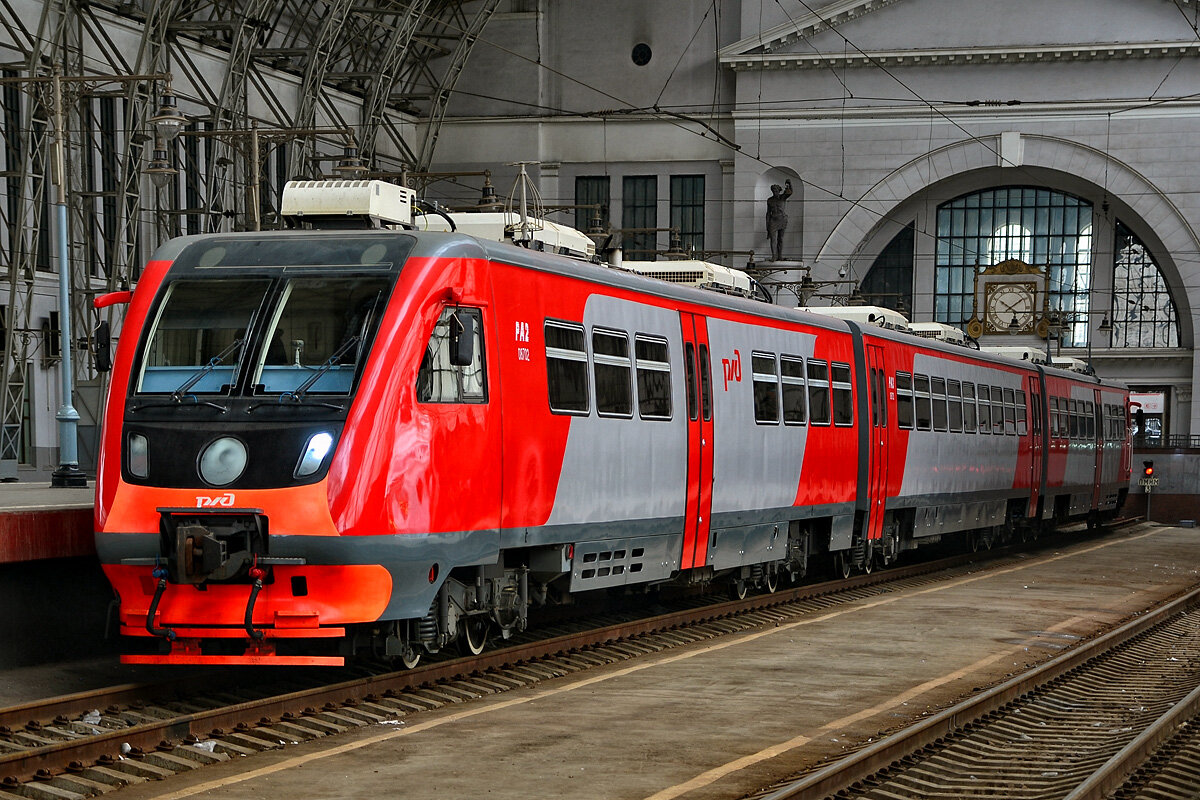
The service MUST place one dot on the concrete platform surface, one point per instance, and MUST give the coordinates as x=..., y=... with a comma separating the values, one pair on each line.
x=723, y=718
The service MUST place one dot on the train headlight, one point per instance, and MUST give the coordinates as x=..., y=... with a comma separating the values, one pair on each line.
x=139, y=459
x=314, y=454
x=222, y=461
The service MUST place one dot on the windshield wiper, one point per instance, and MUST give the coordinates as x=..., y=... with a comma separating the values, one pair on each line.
x=178, y=395
x=296, y=396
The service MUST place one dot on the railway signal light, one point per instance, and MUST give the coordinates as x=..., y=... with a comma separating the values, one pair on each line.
x=1148, y=469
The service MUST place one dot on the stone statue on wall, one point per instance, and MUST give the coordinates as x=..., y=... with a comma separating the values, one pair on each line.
x=777, y=219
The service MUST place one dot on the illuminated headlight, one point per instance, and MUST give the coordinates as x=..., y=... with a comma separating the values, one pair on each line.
x=314, y=454
x=139, y=460
x=222, y=461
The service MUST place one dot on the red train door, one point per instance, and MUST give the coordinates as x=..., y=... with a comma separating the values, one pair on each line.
x=1036, y=462
x=877, y=434
x=1098, y=443
x=698, y=376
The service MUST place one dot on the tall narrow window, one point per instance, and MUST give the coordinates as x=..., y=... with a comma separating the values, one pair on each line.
x=904, y=401
x=889, y=283
x=653, y=377
x=687, y=210
x=639, y=211
x=791, y=370
x=591, y=201
x=612, y=371
x=843, y=397
x=1143, y=314
x=818, y=392
x=566, y=368
x=924, y=403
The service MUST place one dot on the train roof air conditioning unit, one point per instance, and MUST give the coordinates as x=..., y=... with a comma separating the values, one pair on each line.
x=701, y=274
x=346, y=204
x=1018, y=353
x=864, y=315
x=938, y=330
x=503, y=226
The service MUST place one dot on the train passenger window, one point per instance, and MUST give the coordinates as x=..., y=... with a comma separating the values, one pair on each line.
x=1010, y=413
x=954, y=405
x=938, y=395
x=439, y=380
x=924, y=406
x=1022, y=428
x=1073, y=418
x=904, y=401
x=795, y=402
x=689, y=373
x=611, y=369
x=843, y=396
x=1064, y=430
x=985, y=409
x=1053, y=415
x=653, y=377
x=969, y=421
x=998, y=410
x=705, y=384
x=1089, y=417
x=566, y=368
x=818, y=392
x=766, y=388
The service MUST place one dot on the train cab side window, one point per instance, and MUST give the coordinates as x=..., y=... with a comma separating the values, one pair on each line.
x=1010, y=413
x=566, y=368
x=938, y=395
x=611, y=369
x=954, y=404
x=843, y=396
x=766, y=388
x=985, y=409
x=969, y=420
x=924, y=404
x=998, y=410
x=439, y=380
x=653, y=377
x=904, y=401
x=795, y=402
x=1022, y=427
x=818, y=392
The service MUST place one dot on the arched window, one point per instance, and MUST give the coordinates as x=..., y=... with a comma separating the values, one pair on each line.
x=1036, y=225
x=889, y=281
x=1143, y=314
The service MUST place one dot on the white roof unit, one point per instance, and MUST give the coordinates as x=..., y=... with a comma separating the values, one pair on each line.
x=702, y=274
x=339, y=203
x=938, y=330
x=863, y=315
x=1071, y=364
x=1018, y=353
x=499, y=226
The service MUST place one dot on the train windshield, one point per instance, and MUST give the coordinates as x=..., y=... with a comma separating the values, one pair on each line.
x=319, y=334
x=200, y=335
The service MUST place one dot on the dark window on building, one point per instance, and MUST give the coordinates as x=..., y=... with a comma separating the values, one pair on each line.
x=612, y=369
x=890, y=279
x=795, y=402
x=566, y=368
x=653, y=377
x=687, y=210
x=766, y=388
x=639, y=209
x=591, y=191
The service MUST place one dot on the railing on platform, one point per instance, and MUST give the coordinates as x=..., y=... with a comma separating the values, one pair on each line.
x=1173, y=442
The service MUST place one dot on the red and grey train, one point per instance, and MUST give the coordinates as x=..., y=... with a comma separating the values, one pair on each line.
x=323, y=443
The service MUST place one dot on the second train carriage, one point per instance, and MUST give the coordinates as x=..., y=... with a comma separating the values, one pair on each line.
x=317, y=443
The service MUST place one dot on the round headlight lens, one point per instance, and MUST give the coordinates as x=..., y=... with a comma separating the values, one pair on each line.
x=314, y=454
x=222, y=461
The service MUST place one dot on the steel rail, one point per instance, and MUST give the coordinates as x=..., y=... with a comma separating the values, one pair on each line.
x=858, y=766
x=48, y=759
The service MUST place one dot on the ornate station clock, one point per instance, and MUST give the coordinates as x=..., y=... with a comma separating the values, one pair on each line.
x=1010, y=298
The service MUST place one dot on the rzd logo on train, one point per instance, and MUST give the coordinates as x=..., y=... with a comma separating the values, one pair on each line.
x=220, y=501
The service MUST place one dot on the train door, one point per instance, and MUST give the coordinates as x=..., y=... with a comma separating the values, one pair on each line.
x=1096, y=428
x=698, y=377
x=1037, y=462
x=877, y=455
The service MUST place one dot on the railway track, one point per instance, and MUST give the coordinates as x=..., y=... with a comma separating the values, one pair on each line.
x=1117, y=713
x=81, y=744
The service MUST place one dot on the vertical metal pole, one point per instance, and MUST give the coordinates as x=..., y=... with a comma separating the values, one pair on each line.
x=68, y=473
x=255, y=177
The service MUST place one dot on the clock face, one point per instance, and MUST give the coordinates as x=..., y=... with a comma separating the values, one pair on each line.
x=1006, y=302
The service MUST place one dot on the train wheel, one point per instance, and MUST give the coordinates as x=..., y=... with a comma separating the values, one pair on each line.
x=738, y=589
x=843, y=564
x=472, y=639
x=771, y=581
x=869, y=561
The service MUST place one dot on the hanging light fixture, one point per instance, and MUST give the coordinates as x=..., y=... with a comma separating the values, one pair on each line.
x=350, y=167
x=167, y=121
x=160, y=170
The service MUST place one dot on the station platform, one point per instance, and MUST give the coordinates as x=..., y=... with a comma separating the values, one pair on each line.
x=725, y=717
x=39, y=521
